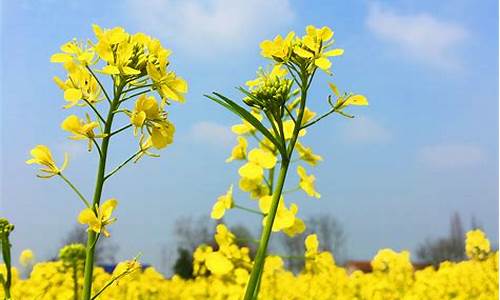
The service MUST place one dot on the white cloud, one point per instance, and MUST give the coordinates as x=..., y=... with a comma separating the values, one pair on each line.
x=211, y=28
x=211, y=133
x=421, y=35
x=451, y=155
x=365, y=130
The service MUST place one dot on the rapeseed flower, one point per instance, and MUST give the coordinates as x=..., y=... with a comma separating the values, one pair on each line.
x=98, y=220
x=42, y=156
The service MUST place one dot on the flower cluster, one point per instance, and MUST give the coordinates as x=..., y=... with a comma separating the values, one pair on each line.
x=138, y=68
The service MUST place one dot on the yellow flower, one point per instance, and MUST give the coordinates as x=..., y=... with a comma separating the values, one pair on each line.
x=162, y=134
x=126, y=271
x=312, y=245
x=144, y=145
x=307, y=182
x=98, y=220
x=313, y=45
x=308, y=115
x=289, y=127
x=255, y=187
x=79, y=85
x=307, y=155
x=146, y=107
x=218, y=264
x=258, y=160
x=42, y=156
x=26, y=258
x=285, y=218
x=279, y=48
x=246, y=127
x=239, y=151
x=223, y=203
x=169, y=85
x=298, y=225
x=477, y=246
x=81, y=129
x=74, y=51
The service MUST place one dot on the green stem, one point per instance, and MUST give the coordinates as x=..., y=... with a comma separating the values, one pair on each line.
x=252, y=289
x=75, y=280
x=266, y=234
x=98, y=82
x=248, y=209
x=122, y=165
x=92, y=236
x=7, y=260
x=75, y=190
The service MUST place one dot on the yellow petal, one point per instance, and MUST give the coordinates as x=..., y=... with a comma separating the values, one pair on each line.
x=359, y=100
x=111, y=70
x=218, y=264
x=323, y=63
x=61, y=58
x=251, y=171
x=334, y=52
x=72, y=94
x=303, y=53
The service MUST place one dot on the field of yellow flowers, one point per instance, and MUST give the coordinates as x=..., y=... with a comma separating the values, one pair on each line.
x=393, y=277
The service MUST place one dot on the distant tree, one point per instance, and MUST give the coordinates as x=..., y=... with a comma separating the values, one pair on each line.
x=184, y=264
x=105, y=248
x=191, y=233
x=244, y=238
x=451, y=247
x=331, y=236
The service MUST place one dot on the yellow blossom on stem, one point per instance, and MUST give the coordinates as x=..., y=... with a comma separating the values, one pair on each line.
x=288, y=127
x=81, y=129
x=255, y=187
x=42, y=156
x=258, y=160
x=285, y=218
x=313, y=46
x=307, y=155
x=279, y=48
x=98, y=220
x=74, y=51
x=239, y=151
x=146, y=107
x=223, y=203
x=80, y=85
x=169, y=85
x=307, y=182
x=162, y=134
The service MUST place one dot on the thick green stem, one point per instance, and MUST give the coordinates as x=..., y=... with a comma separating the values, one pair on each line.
x=75, y=280
x=266, y=234
x=252, y=290
x=7, y=282
x=92, y=236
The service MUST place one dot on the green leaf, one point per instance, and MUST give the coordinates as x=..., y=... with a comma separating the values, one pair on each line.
x=244, y=114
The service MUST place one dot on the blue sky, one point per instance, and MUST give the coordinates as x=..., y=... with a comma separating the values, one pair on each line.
x=425, y=147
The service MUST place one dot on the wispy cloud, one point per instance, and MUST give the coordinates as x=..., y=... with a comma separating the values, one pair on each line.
x=366, y=130
x=212, y=134
x=211, y=28
x=450, y=155
x=423, y=36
